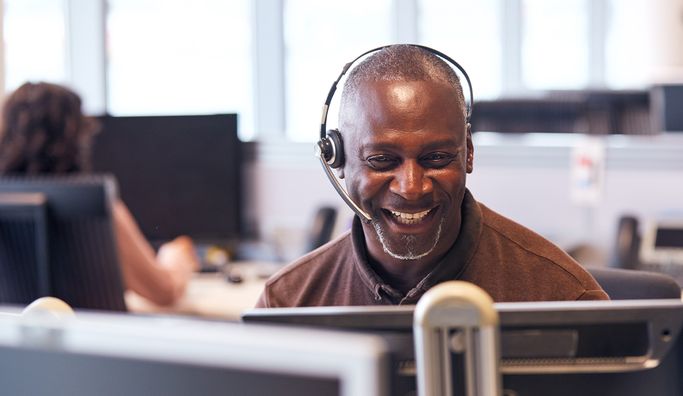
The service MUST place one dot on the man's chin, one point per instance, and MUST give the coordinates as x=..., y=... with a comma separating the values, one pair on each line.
x=406, y=247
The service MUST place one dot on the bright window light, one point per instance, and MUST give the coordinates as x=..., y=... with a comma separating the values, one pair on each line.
x=35, y=46
x=320, y=37
x=179, y=57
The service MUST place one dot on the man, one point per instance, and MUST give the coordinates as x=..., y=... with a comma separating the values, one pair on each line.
x=408, y=150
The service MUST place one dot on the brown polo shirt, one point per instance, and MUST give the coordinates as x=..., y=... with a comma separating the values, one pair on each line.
x=507, y=260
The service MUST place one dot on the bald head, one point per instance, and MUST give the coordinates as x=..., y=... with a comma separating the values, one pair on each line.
x=398, y=63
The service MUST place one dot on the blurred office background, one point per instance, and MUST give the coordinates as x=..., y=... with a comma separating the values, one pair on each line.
x=547, y=72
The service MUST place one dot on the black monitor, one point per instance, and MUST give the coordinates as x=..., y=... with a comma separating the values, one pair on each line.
x=565, y=348
x=24, y=255
x=136, y=356
x=178, y=175
x=82, y=266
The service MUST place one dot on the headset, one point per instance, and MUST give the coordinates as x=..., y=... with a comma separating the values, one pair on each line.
x=330, y=147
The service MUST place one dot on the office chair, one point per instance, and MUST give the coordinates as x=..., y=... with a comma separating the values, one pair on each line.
x=23, y=247
x=82, y=260
x=321, y=230
x=627, y=243
x=624, y=284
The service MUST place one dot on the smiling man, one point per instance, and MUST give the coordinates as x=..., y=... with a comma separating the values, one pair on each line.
x=408, y=150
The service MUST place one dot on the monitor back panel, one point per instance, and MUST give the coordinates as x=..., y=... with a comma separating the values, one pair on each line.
x=40, y=372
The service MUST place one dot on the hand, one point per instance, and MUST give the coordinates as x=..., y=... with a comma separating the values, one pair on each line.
x=179, y=252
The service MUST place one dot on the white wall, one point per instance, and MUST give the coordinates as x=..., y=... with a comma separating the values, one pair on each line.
x=525, y=177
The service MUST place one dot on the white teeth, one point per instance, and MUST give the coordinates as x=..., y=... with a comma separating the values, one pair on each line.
x=409, y=218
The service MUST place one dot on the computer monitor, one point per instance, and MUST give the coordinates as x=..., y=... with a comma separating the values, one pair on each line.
x=82, y=266
x=662, y=242
x=552, y=348
x=129, y=355
x=23, y=241
x=178, y=175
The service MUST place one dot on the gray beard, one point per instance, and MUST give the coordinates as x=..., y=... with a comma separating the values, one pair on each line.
x=409, y=242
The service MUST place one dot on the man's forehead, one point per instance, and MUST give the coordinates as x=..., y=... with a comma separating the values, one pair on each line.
x=401, y=88
x=401, y=139
x=399, y=99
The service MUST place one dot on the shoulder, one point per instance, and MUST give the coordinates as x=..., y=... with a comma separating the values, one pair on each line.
x=521, y=236
x=536, y=259
x=314, y=268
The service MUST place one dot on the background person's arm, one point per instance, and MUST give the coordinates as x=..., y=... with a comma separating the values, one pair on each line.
x=161, y=279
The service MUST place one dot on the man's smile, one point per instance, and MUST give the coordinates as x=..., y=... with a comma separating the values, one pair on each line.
x=409, y=217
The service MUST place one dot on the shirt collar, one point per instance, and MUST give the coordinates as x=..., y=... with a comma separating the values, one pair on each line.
x=450, y=267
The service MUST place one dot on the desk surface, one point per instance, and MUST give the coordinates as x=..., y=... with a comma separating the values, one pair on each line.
x=211, y=295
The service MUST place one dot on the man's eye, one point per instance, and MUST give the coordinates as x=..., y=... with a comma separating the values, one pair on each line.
x=382, y=162
x=437, y=160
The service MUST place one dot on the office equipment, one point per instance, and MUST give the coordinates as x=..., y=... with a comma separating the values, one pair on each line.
x=111, y=354
x=662, y=243
x=178, y=175
x=456, y=329
x=24, y=267
x=625, y=284
x=83, y=267
x=653, y=245
x=550, y=348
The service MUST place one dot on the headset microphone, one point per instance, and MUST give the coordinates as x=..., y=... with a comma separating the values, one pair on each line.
x=330, y=147
x=364, y=216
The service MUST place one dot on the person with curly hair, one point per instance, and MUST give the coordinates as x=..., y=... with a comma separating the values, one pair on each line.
x=44, y=132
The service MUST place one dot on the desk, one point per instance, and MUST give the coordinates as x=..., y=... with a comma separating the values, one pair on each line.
x=210, y=295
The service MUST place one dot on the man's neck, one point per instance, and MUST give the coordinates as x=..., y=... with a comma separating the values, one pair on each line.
x=402, y=275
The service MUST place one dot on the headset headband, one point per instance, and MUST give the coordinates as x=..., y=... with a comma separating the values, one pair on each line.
x=333, y=88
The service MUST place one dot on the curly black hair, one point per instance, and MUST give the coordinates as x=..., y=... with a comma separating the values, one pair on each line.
x=43, y=131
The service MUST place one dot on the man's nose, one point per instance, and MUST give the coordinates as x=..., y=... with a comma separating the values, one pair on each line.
x=411, y=181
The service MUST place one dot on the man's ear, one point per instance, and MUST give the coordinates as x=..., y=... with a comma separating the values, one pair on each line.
x=469, y=166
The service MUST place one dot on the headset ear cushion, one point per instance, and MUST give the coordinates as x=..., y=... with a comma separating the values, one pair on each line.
x=335, y=138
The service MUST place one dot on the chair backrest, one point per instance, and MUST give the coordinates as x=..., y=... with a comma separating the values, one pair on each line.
x=627, y=243
x=321, y=228
x=624, y=284
x=24, y=269
x=83, y=260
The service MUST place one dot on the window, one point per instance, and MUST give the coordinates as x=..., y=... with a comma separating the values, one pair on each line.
x=555, y=44
x=201, y=57
x=629, y=44
x=166, y=57
x=469, y=32
x=320, y=37
x=35, y=42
